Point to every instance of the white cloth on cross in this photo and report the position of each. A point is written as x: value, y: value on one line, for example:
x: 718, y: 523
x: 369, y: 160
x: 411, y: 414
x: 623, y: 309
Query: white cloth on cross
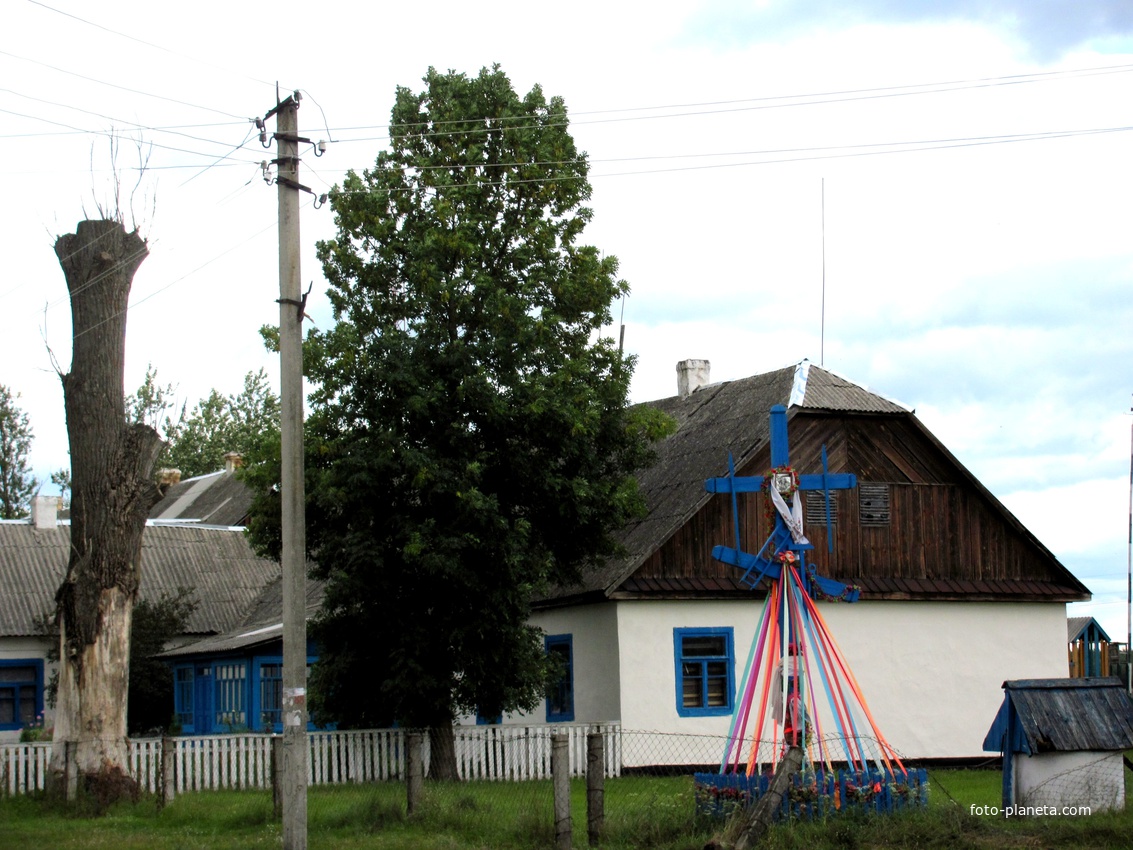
x: 792, y: 517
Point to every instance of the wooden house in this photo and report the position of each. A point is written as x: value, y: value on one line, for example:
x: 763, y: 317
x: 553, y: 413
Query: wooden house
x: 1063, y: 743
x: 956, y: 594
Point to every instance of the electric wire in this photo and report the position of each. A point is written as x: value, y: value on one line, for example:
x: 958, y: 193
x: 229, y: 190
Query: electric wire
x: 147, y: 43
x: 783, y: 155
x: 752, y: 104
x: 102, y: 133
x: 109, y: 118
x: 123, y: 88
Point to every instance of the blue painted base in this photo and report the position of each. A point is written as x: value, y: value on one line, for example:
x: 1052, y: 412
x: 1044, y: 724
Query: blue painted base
x: 814, y: 795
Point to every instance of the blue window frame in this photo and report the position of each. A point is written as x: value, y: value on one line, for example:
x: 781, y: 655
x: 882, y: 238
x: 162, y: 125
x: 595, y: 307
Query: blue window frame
x: 231, y: 696
x: 266, y: 710
x: 705, y: 665
x: 560, y: 691
x: 21, y: 692
x: 212, y: 696
x: 271, y: 694
x: 183, y: 695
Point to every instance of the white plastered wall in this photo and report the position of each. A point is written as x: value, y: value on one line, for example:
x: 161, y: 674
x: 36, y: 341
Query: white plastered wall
x: 932, y: 672
x: 594, y: 644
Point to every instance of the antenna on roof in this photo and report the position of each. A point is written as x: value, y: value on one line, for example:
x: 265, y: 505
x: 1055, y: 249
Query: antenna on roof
x: 622, y: 332
x: 822, y: 326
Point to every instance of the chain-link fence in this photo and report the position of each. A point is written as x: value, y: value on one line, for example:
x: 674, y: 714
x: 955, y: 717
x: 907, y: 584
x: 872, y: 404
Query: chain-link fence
x: 505, y: 786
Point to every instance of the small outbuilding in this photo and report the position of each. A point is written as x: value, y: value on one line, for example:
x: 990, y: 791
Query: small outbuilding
x: 1062, y: 742
x: 1087, y: 647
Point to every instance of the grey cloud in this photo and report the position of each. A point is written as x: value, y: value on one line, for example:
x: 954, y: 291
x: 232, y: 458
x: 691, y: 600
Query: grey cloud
x: 1047, y: 27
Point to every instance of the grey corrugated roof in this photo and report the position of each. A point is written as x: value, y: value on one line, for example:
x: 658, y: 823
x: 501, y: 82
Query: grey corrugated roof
x: 218, y: 563
x: 263, y: 623
x: 711, y: 422
x: 1075, y: 625
x: 219, y: 498
x: 1068, y: 715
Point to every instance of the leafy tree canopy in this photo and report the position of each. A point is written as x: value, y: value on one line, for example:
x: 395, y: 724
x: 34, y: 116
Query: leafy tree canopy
x: 199, y: 439
x: 221, y: 424
x: 17, y: 484
x: 469, y: 440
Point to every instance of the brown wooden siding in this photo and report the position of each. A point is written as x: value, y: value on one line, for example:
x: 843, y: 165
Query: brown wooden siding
x: 941, y: 526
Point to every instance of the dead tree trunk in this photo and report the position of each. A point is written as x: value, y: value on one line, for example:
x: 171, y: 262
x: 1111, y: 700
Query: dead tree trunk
x: 112, y: 491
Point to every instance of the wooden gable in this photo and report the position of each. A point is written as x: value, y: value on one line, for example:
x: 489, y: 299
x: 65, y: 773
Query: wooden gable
x: 918, y: 526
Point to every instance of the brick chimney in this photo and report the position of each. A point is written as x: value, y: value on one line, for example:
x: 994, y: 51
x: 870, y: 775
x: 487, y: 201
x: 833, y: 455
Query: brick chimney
x: 691, y: 376
x: 233, y: 461
x: 45, y: 511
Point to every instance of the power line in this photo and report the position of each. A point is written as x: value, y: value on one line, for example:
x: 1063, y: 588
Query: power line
x: 109, y: 132
x: 805, y: 154
x: 112, y: 120
x: 147, y: 43
x: 755, y: 103
x: 122, y: 88
x: 170, y: 127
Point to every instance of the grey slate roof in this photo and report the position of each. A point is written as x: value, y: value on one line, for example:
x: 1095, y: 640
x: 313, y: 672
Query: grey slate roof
x: 1067, y: 715
x: 218, y: 498
x: 263, y: 623
x: 217, y: 562
x: 1076, y: 625
x: 711, y: 422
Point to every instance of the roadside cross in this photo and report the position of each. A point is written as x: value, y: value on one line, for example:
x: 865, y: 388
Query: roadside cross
x: 767, y: 561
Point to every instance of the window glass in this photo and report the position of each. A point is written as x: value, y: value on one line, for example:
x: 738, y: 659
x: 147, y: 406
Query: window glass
x: 21, y: 693
x: 230, y: 708
x: 705, y: 666
x: 271, y: 694
x: 183, y: 695
x: 560, y: 692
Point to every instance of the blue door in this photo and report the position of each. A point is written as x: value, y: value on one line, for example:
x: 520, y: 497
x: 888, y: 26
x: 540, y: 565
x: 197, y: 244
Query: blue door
x: 202, y: 700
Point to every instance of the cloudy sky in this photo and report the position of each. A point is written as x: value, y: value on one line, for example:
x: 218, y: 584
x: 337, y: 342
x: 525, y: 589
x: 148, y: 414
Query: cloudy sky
x: 931, y: 199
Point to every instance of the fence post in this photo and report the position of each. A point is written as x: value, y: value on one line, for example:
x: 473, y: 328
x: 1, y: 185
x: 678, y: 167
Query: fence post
x: 168, y: 776
x: 595, y: 786
x: 71, y: 770
x: 415, y: 770
x: 560, y: 781
x: 277, y: 775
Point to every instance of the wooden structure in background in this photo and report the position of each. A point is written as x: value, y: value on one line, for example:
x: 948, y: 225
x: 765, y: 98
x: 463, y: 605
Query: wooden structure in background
x: 1087, y: 647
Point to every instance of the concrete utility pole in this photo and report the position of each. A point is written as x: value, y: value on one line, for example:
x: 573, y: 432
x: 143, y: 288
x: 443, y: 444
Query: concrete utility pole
x: 293, y: 558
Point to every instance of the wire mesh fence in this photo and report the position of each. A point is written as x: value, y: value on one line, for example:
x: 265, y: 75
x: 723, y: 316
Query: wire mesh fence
x: 631, y: 788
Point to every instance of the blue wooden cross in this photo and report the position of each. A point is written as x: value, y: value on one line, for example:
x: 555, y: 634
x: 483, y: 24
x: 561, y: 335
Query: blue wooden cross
x: 763, y: 563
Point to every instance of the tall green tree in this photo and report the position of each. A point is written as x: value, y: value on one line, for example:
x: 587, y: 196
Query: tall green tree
x: 17, y: 484
x: 469, y: 440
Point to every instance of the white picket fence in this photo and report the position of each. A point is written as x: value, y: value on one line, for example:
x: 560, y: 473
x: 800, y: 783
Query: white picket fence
x: 207, y: 762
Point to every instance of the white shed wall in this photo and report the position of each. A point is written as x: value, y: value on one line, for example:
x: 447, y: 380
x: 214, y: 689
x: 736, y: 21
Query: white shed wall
x: 1094, y: 779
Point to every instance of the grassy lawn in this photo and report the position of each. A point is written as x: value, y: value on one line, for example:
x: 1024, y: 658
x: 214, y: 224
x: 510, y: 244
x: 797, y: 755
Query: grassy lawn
x: 642, y: 812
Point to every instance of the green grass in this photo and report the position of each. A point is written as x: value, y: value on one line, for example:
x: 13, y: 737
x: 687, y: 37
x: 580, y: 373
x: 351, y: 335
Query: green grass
x: 641, y: 812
